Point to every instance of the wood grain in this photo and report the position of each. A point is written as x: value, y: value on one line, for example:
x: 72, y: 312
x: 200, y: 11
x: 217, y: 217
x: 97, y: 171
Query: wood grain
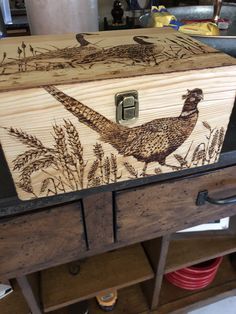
x: 56, y: 154
x: 40, y: 240
x: 37, y: 60
x: 98, y: 210
x: 14, y: 302
x: 175, y: 300
x: 28, y: 294
x: 186, y: 252
x: 168, y: 207
x: 156, y: 251
x: 115, y: 269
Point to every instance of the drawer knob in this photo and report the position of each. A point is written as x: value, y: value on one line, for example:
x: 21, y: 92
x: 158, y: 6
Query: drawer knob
x: 204, y: 198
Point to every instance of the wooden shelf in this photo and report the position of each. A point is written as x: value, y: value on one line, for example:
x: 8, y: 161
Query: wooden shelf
x: 186, y: 252
x: 14, y: 302
x: 130, y: 301
x: 172, y: 298
x: 115, y: 269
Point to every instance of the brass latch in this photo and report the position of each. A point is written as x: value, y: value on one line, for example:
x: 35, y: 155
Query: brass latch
x: 127, y: 106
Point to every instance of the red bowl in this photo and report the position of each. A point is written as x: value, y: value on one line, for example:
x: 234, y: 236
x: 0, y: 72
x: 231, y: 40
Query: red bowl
x: 195, y: 277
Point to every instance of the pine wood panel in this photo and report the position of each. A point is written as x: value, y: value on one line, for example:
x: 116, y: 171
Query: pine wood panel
x: 56, y: 153
x: 38, y: 60
x: 176, y: 300
x: 98, y: 210
x: 115, y: 269
x: 168, y: 207
x: 41, y: 239
x: 14, y: 302
x: 186, y: 252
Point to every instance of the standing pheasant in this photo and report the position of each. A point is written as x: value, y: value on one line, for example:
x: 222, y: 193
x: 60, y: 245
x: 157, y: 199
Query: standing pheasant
x: 150, y: 142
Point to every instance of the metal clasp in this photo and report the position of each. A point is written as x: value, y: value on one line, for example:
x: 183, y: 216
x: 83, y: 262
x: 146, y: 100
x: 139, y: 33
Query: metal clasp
x: 127, y: 106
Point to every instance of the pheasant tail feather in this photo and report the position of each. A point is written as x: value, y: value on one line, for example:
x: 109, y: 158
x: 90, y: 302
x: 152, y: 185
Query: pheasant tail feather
x: 86, y: 115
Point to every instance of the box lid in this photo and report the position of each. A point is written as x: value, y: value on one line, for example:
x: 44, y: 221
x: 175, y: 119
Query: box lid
x: 58, y: 59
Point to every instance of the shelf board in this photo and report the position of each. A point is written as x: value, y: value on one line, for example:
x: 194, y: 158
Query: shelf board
x: 186, y: 252
x: 115, y: 269
x: 14, y: 302
x: 174, y: 299
x: 130, y: 301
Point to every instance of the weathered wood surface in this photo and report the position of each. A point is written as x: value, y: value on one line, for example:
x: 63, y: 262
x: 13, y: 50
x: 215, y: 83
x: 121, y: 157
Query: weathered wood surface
x: 59, y: 59
x: 186, y: 252
x: 115, y: 269
x: 14, y: 302
x: 175, y: 300
x: 98, y: 211
x: 160, y: 208
x: 28, y: 294
x: 156, y: 251
x: 40, y: 240
x: 71, y: 147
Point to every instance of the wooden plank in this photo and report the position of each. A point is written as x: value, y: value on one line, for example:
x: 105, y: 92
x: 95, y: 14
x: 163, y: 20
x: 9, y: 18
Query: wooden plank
x: 14, y: 302
x: 77, y: 147
x: 72, y: 309
x: 115, y: 269
x: 171, y: 206
x: 186, y: 252
x: 130, y: 301
x: 29, y: 295
x: 41, y: 240
x: 174, y: 299
x: 59, y: 59
x: 156, y: 251
x: 98, y: 211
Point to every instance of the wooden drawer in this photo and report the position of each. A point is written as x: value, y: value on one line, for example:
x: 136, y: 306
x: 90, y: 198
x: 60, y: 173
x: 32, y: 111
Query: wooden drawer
x: 44, y: 238
x: 159, y: 208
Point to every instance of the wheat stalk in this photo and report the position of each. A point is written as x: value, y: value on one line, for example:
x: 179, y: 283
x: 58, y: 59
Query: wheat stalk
x: 206, y: 125
x: 199, y: 154
x: 107, y: 170
x: 93, y: 170
x: 114, y: 169
x: 99, y: 153
x: 131, y: 169
x: 25, y: 176
x: 26, y: 139
x: 63, y: 155
x: 76, y: 148
x: 221, y: 138
x: 74, y: 141
x: 21, y: 160
x: 213, y: 144
x: 96, y: 182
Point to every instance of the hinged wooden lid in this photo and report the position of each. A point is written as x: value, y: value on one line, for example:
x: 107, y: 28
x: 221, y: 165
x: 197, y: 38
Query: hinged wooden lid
x: 39, y: 60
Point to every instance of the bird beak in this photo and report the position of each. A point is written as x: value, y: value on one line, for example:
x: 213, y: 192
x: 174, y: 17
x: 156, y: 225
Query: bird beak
x: 201, y: 97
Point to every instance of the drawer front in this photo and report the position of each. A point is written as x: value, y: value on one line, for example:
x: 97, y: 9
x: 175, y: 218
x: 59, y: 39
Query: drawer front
x: 159, y: 208
x: 40, y: 240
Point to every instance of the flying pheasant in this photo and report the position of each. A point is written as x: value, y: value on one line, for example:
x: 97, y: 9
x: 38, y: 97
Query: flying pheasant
x: 150, y: 142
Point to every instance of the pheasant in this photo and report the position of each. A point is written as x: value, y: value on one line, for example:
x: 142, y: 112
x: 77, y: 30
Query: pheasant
x: 150, y: 142
x: 141, y: 51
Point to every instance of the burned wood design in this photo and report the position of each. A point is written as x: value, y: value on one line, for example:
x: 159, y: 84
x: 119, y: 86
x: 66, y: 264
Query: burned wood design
x: 146, y: 51
x: 65, y: 169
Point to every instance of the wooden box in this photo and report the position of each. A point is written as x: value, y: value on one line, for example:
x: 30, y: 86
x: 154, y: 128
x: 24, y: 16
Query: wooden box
x: 81, y: 111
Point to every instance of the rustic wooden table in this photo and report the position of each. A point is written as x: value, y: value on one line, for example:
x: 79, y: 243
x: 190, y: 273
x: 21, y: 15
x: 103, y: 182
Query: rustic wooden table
x: 126, y: 232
